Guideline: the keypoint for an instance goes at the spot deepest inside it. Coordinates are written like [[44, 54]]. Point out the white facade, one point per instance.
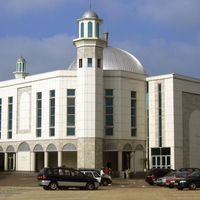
[[97, 113], [180, 116], [61, 117]]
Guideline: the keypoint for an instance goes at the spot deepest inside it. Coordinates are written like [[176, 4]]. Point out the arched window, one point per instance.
[[97, 29], [90, 29], [82, 29]]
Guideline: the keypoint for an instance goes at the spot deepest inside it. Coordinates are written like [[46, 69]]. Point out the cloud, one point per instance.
[[161, 57], [42, 55], [24, 6]]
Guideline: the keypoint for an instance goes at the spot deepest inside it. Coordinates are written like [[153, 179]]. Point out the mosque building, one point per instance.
[[103, 110]]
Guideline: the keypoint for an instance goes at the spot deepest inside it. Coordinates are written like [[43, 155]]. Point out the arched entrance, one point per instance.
[[11, 158], [39, 157], [1, 159], [126, 157], [52, 155], [69, 155], [23, 157]]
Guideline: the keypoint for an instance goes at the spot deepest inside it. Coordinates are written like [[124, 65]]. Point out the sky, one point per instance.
[[164, 35]]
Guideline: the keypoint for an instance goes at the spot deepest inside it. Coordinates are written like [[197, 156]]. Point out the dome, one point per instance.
[[90, 14], [117, 59], [21, 59]]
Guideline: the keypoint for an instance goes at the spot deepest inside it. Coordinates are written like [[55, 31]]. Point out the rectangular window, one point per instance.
[[52, 109], [89, 62], [0, 115], [71, 103], [160, 114], [133, 114], [161, 157], [10, 117], [99, 63], [80, 63], [109, 125], [38, 114]]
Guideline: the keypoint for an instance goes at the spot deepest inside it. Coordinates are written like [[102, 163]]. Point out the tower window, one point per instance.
[[99, 63], [71, 112], [97, 29], [89, 63], [90, 29], [80, 63], [109, 125], [82, 29]]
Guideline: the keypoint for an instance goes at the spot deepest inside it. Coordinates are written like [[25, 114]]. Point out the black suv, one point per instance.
[[61, 177], [154, 173]]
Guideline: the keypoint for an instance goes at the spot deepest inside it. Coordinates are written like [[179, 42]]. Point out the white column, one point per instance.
[[59, 158], [5, 161], [46, 159], [120, 161], [32, 167], [16, 161]]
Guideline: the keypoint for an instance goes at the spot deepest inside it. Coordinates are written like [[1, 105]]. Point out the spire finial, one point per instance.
[[90, 5]]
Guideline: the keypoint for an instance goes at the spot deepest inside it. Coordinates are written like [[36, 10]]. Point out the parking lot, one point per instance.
[[22, 186]]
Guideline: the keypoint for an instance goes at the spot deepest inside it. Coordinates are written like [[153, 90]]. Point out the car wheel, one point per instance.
[[45, 187], [105, 183], [53, 186], [180, 188], [192, 186], [90, 186]]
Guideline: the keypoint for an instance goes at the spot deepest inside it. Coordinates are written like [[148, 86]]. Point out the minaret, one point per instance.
[[21, 68], [89, 112]]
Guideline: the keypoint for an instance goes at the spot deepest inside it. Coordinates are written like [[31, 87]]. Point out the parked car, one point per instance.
[[188, 169], [171, 177], [104, 179], [153, 174], [192, 181], [61, 177]]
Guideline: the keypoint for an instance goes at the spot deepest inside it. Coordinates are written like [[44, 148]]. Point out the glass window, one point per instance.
[[10, 117], [99, 63], [89, 64], [52, 113], [71, 112], [133, 114], [38, 114], [80, 63], [90, 29], [109, 121], [82, 29], [160, 113], [97, 29]]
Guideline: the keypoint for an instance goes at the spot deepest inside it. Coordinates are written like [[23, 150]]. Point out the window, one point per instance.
[[89, 60], [10, 117], [0, 115], [97, 29], [38, 114], [133, 114], [82, 29], [160, 113], [90, 29], [99, 63], [52, 113], [109, 112], [80, 63], [70, 112], [160, 157]]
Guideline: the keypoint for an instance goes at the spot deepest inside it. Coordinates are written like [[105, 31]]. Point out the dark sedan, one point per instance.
[[192, 182]]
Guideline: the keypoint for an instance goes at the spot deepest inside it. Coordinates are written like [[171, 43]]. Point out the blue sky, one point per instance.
[[163, 34]]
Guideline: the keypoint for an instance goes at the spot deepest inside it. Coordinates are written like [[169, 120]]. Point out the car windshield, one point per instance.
[[195, 173]]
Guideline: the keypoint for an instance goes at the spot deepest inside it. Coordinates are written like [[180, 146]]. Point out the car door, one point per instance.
[[78, 179]]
